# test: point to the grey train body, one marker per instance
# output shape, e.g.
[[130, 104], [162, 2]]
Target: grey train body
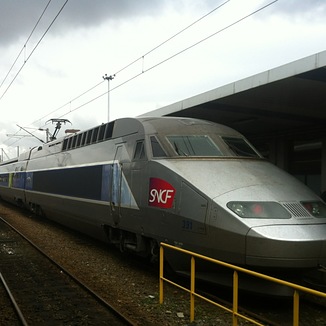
[[195, 184]]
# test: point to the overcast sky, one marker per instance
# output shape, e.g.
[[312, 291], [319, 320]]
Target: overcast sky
[[91, 38]]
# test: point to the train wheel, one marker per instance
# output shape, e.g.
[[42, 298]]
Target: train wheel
[[122, 242], [155, 251]]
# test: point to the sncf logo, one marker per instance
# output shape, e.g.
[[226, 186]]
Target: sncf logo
[[161, 193]]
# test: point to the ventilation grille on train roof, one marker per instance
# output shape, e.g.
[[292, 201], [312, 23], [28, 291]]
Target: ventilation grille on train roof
[[296, 209]]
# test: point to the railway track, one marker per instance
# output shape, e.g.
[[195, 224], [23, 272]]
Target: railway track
[[269, 310], [42, 292], [136, 293]]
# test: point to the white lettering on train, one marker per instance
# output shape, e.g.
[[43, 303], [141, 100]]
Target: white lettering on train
[[161, 195]]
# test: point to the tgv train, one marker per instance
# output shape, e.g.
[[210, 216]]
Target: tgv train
[[135, 182]]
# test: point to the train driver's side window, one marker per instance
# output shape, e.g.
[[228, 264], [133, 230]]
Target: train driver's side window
[[157, 149], [139, 150]]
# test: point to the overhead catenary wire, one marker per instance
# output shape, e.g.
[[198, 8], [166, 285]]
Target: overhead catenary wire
[[209, 36], [62, 106], [24, 47], [172, 37], [172, 56], [35, 47], [157, 64], [25, 44], [69, 102], [133, 62]]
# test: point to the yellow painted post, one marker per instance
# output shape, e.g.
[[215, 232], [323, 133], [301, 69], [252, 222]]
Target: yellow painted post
[[192, 290], [296, 308], [161, 273], [235, 298]]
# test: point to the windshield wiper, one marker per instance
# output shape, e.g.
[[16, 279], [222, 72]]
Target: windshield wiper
[[178, 150]]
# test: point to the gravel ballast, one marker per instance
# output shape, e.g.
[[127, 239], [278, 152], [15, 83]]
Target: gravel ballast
[[119, 278]]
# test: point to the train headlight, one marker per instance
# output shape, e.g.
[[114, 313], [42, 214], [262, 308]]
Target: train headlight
[[238, 208], [258, 209], [316, 209]]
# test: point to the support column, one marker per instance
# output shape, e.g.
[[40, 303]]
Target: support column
[[323, 168], [280, 153]]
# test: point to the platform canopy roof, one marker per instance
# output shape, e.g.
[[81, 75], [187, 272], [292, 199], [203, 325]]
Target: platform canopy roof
[[287, 100]]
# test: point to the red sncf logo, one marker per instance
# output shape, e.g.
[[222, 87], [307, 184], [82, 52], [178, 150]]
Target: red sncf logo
[[161, 193]]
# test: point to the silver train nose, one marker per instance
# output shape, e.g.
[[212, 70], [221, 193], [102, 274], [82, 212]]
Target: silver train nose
[[290, 246]]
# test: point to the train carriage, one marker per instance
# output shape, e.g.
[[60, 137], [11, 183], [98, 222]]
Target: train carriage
[[199, 185]]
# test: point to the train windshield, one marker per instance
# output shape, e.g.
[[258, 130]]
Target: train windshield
[[239, 147], [211, 146], [194, 145]]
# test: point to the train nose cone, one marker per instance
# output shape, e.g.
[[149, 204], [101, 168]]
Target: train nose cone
[[290, 246], [251, 180]]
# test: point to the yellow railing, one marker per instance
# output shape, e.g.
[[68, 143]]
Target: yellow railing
[[236, 269]]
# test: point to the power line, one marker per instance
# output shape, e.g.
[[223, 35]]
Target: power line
[[57, 109], [134, 61], [209, 36], [173, 56], [159, 63], [37, 44], [24, 46], [170, 38], [69, 102]]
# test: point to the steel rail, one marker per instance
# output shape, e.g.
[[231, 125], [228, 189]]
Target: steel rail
[[13, 301], [74, 278]]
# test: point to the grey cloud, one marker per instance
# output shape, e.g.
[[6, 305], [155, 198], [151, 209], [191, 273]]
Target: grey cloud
[[18, 17], [300, 8]]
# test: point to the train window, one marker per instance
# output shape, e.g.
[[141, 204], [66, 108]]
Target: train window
[[88, 137], [94, 135], [69, 143], [139, 151], [239, 147], [83, 139], [65, 143], [194, 145], [109, 130], [79, 137], [74, 139], [101, 132], [157, 150]]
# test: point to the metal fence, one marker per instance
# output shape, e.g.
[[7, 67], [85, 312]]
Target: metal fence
[[236, 270]]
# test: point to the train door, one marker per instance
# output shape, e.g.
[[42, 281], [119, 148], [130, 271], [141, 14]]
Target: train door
[[139, 171], [115, 186]]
